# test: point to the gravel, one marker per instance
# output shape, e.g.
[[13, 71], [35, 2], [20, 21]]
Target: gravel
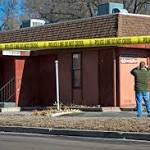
[[93, 123]]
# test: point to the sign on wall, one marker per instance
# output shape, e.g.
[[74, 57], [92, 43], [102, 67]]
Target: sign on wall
[[128, 60]]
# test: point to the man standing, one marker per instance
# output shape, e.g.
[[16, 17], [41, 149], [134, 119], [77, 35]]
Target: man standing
[[141, 77]]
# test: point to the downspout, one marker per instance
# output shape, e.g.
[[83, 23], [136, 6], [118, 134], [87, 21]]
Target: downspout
[[119, 26], [57, 86], [114, 78]]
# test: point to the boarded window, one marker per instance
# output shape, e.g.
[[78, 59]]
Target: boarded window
[[76, 70]]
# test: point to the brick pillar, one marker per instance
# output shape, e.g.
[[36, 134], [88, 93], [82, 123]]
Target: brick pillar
[[19, 67]]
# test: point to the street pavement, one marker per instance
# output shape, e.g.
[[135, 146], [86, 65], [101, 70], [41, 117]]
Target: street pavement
[[19, 142]]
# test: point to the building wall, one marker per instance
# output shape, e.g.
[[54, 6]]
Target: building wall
[[35, 81], [90, 77], [7, 73], [47, 82], [106, 77], [65, 77], [97, 78], [128, 59], [127, 96], [26, 81], [1, 73], [35, 78], [77, 96], [8, 68], [88, 94]]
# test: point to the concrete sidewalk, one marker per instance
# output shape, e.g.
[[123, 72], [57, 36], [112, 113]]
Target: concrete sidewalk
[[121, 114], [124, 114]]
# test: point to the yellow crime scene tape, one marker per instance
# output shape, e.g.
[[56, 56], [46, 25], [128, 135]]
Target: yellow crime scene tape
[[76, 43]]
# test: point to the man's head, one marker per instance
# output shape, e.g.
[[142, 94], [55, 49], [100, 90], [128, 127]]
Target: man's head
[[142, 65]]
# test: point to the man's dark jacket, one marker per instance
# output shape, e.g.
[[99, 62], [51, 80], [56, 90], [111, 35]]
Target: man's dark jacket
[[142, 79]]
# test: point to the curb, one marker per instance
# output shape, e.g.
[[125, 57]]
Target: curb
[[10, 109], [25, 130], [76, 132]]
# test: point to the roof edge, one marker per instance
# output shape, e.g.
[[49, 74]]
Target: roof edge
[[135, 15], [63, 22]]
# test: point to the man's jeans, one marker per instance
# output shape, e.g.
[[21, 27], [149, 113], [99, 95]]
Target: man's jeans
[[140, 96]]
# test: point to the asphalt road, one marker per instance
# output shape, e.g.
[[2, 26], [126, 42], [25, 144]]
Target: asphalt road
[[18, 142]]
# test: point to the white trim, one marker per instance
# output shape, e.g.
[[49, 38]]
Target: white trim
[[135, 15], [14, 52]]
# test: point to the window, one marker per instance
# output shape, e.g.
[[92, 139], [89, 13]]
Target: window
[[76, 70]]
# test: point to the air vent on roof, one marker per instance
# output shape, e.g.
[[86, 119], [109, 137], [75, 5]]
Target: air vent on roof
[[109, 8], [32, 23]]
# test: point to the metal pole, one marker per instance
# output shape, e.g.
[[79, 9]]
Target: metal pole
[[57, 85]]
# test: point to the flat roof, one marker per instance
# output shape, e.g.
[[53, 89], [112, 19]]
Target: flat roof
[[113, 25]]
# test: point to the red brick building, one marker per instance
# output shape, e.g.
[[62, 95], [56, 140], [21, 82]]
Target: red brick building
[[88, 76]]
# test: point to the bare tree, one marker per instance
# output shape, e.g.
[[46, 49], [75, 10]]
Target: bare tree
[[137, 6], [8, 17], [60, 10], [57, 10]]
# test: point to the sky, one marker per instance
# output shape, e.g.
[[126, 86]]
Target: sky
[[3, 6]]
